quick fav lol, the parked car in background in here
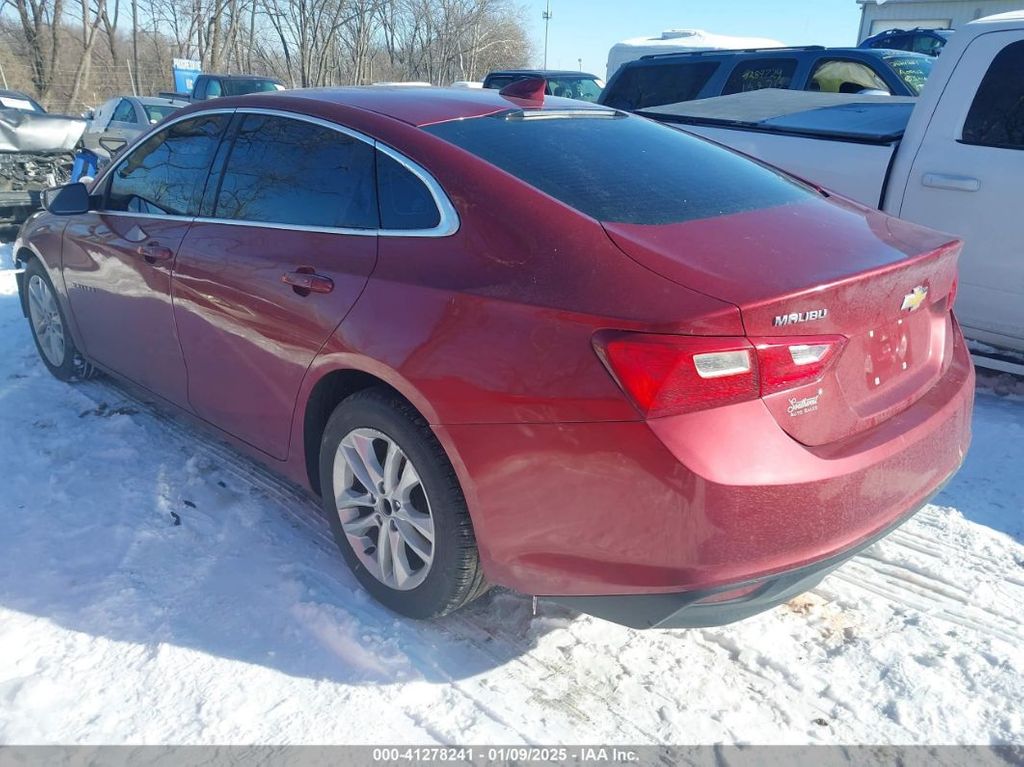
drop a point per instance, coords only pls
(579, 86)
(122, 118)
(36, 152)
(21, 101)
(927, 41)
(530, 342)
(953, 159)
(681, 41)
(212, 86)
(676, 77)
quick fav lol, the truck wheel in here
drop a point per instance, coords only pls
(396, 508)
(50, 328)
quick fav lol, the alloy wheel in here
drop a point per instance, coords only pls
(46, 321)
(384, 509)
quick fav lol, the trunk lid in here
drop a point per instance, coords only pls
(821, 268)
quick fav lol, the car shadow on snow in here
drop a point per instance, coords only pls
(121, 523)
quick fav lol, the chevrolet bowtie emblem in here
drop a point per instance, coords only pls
(914, 298)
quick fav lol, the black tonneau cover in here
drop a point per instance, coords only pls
(839, 116)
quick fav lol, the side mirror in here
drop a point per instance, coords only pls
(112, 144)
(68, 200)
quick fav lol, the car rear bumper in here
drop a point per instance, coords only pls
(722, 605)
(699, 503)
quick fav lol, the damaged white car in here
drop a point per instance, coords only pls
(37, 151)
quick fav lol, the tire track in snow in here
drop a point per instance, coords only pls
(882, 571)
(303, 509)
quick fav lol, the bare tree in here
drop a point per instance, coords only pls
(40, 23)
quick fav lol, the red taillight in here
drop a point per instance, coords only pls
(669, 375)
(951, 299)
(664, 375)
(790, 361)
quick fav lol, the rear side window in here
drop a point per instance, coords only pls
(893, 43)
(997, 114)
(623, 169)
(125, 112)
(760, 73)
(913, 69)
(284, 171)
(651, 86)
(166, 174)
(928, 44)
(405, 202)
(499, 82)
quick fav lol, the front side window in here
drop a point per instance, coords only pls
(997, 115)
(845, 76)
(651, 86)
(285, 171)
(623, 169)
(166, 174)
(759, 74)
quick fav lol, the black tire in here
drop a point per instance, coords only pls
(455, 577)
(68, 365)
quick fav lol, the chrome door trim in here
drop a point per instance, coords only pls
(448, 218)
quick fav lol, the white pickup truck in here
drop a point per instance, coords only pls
(952, 159)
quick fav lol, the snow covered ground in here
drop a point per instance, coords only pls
(155, 587)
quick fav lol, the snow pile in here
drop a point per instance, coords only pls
(156, 587)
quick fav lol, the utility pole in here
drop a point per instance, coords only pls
(547, 23)
(580, 60)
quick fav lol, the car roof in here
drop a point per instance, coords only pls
(763, 52)
(239, 77)
(544, 73)
(158, 100)
(417, 106)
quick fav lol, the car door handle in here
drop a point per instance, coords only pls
(951, 182)
(154, 252)
(305, 281)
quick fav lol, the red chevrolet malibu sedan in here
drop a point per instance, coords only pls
(541, 344)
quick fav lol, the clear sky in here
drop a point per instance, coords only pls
(588, 28)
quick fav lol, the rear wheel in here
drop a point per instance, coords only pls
(396, 508)
(50, 329)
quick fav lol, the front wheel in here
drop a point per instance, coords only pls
(396, 508)
(50, 328)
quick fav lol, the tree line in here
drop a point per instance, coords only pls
(72, 54)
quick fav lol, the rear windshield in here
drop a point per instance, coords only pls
(912, 68)
(653, 85)
(242, 87)
(623, 169)
(579, 88)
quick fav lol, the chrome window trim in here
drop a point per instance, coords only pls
(448, 223)
(102, 177)
(448, 219)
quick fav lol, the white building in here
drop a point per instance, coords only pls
(880, 15)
